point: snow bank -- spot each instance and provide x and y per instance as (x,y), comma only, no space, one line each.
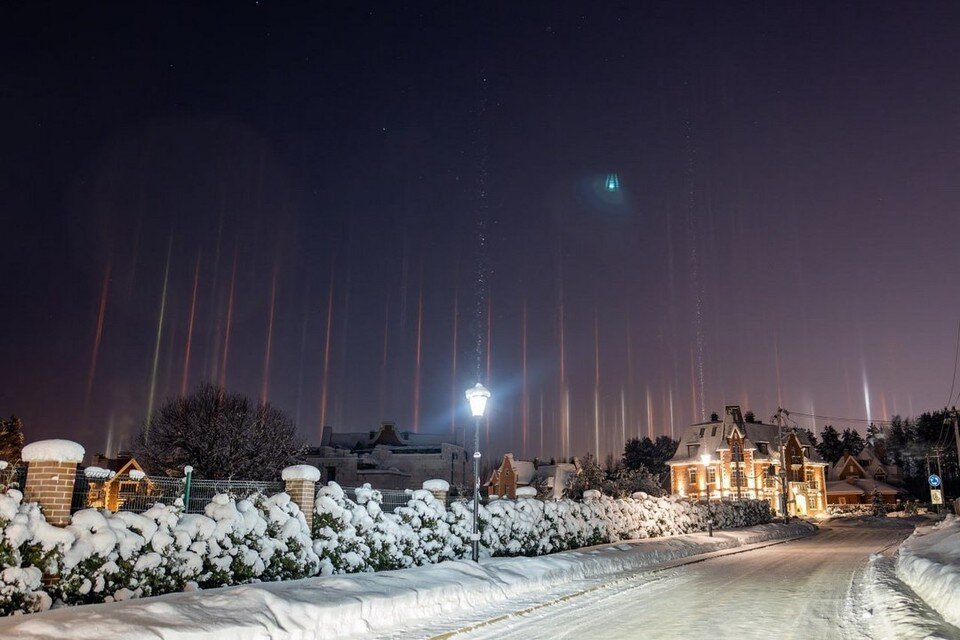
(52,451)
(301,472)
(363,604)
(929,562)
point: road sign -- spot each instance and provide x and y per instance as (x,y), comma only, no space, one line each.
(934,480)
(936,496)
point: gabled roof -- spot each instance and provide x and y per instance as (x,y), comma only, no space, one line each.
(861,486)
(711,437)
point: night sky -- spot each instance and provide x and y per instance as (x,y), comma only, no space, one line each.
(357,210)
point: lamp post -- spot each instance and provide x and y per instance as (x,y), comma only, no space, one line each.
(477,396)
(705,459)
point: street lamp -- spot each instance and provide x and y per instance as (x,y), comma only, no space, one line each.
(477,396)
(705,459)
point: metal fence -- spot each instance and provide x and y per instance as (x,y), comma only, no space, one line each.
(393,498)
(138,495)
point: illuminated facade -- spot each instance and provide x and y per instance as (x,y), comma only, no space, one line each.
(730,459)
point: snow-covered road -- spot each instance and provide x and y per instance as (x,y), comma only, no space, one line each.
(807,588)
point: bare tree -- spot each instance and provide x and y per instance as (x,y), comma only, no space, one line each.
(220,435)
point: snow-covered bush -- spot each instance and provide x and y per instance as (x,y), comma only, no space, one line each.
(335,538)
(103,556)
(426,518)
(29,548)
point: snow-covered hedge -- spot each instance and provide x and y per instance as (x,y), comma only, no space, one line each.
(103,556)
(351,536)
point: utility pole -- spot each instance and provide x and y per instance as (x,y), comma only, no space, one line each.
(780,418)
(956,431)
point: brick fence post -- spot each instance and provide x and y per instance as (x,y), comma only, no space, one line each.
(439,489)
(51,473)
(301,482)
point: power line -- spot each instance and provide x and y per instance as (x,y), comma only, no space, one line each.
(956,358)
(838,419)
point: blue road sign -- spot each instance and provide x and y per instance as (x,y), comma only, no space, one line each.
(934,480)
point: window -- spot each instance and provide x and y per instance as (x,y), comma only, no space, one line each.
(736,452)
(712,475)
(692,450)
(692,475)
(737,478)
(770,482)
(880,475)
(796,475)
(702,429)
(763,448)
(331,474)
(806,452)
(713,432)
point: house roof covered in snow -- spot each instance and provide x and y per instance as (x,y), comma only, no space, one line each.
(860,486)
(387,435)
(712,438)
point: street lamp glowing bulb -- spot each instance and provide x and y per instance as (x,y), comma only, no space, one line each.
(705,458)
(477,396)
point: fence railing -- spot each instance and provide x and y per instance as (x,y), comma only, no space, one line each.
(393,498)
(128,494)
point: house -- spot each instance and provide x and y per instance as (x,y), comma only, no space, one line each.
(854,479)
(867,464)
(515,475)
(733,458)
(389,459)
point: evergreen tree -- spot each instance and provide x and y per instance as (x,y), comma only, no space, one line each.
(650,455)
(11,440)
(852,441)
(830,446)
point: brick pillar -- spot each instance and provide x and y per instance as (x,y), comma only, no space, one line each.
(51,473)
(439,489)
(301,482)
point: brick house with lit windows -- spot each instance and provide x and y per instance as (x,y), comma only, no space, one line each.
(732,458)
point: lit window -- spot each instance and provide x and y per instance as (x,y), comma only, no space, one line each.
(712,475)
(692,475)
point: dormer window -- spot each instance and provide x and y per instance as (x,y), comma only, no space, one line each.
(763,448)
(713,432)
(702,429)
(880,475)
(806,452)
(692,450)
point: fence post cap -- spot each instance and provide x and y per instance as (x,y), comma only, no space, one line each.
(301,472)
(436,485)
(53,451)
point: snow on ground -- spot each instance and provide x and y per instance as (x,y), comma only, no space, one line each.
(929,563)
(369,603)
(807,588)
